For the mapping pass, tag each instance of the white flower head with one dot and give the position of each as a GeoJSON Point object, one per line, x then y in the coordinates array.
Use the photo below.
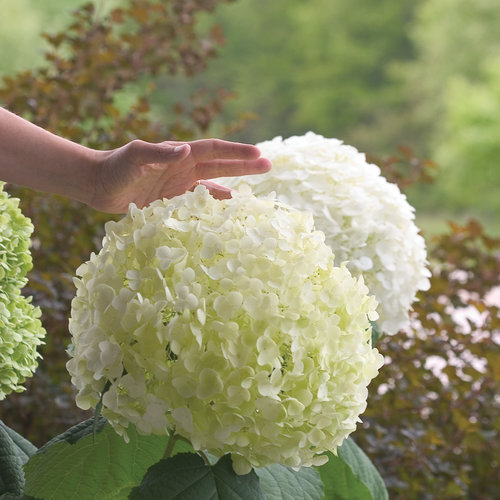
{"type": "Point", "coordinates": [228, 322]}
{"type": "Point", "coordinates": [367, 221]}
{"type": "Point", "coordinates": [21, 331]}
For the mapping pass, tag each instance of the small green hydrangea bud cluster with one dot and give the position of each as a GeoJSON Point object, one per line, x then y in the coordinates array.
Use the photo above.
{"type": "Point", "coordinates": [21, 331]}
{"type": "Point", "coordinates": [367, 221]}
{"type": "Point", "coordinates": [227, 321]}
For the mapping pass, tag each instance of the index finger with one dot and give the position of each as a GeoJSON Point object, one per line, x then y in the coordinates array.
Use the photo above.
{"type": "Point", "coordinates": [212, 149]}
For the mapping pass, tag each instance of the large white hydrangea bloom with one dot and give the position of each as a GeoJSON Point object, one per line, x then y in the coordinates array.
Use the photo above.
{"type": "Point", "coordinates": [367, 221]}
{"type": "Point", "coordinates": [227, 321]}
{"type": "Point", "coordinates": [21, 331]}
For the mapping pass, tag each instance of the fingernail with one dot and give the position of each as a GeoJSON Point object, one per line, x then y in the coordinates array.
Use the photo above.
{"type": "Point", "coordinates": [178, 149]}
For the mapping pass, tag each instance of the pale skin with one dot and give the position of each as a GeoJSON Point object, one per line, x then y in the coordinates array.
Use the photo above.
{"type": "Point", "coordinates": [138, 172]}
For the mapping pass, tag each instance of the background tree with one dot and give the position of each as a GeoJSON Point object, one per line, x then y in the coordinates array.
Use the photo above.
{"type": "Point", "coordinates": [31, 23]}
{"type": "Point", "coordinates": [21, 46]}
{"type": "Point", "coordinates": [432, 425]}
{"type": "Point", "coordinates": [453, 93]}
{"type": "Point", "coordinates": [321, 65]}
{"type": "Point", "coordinates": [470, 147]}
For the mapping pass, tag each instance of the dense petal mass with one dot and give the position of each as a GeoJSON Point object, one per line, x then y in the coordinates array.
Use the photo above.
{"type": "Point", "coordinates": [20, 329]}
{"type": "Point", "coordinates": [367, 221]}
{"type": "Point", "coordinates": [228, 321]}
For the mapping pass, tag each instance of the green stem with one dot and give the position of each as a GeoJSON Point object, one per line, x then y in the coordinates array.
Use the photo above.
{"type": "Point", "coordinates": [181, 438]}
{"type": "Point", "coordinates": [205, 458]}
{"type": "Point", "coordinates": [170, 445]}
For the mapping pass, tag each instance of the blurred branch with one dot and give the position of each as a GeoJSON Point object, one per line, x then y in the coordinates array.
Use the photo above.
{"type": "Point", "coordinates": [405, 168]}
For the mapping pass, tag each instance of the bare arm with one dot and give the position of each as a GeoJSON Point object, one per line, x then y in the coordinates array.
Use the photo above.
{"type": "Point", "coordinates": [138, 172]}
{"type": "Point", "coordinates": [32, 157]}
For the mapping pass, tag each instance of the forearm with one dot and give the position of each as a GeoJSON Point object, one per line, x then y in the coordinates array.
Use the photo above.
{"type": "Point", "coordinates": [32, 157]}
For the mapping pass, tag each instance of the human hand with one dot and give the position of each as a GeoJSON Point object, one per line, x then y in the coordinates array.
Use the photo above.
{"type": "Point", "coordinates": [141, 172]}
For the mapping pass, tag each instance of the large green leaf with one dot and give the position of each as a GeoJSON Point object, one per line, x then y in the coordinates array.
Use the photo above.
{"type": "Point", "coordinates": [279, 482]}
{"type": "Point", "coordinates": [182, 446]}
{"type": "Point", "coordinates": [351, 475]}
{"type": "Point", "coordinates": [340, 483]}
{"type": "Point", "coordinates": [11, 463]}
{"type": "Point", "coordinates": [25, 447]}
{"type": "Point", "coordinates": [77, 432]}
{"type": "Point", "coordinates": [101, 466]}
{"type": "Point", "coordinates": [11, 496]}
{"type": "Point", "coordinates": [186, 477]}
{"type": "Point", "coordinates": [363, 468]}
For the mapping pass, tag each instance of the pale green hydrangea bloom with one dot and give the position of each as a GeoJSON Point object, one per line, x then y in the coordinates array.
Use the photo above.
{"type": "Point", "coordinates": [20, 329]}
{"type": "Point", "coordinates": [228, 321]}
{"type": "Point", "coordinates": [367, 221]}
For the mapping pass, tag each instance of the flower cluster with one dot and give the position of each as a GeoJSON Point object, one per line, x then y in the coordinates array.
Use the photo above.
{"type": "Point", "coordinates": [228, 322]}
{"type": "Point", "coordinates": [20, 329]}
{"type": "Point", "coordinates": [367, 221]}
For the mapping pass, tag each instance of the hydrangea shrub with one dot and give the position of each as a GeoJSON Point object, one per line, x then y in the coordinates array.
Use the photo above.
{"type": "Point", "coordinates": [21, 331]}
{"type": "Point", "coordinates": [228, 323]}
{"type": "Point", "coordinates": [367, 221]}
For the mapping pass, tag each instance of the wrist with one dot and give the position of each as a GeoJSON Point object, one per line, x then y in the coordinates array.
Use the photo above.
{"type": "Point", "coordinates": [86, 168]}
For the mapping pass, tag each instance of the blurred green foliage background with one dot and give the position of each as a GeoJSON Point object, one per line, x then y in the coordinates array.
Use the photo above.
{"type": "Point", "coordinates": [423, 74]}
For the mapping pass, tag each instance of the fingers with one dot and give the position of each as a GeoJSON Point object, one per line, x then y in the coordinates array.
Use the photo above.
{"type": "Point", "coordinates": [231, 168]}
{"type": "Point", "coordinates": [211, 149]}
{"type": "Point", "coordinates": [203, 159]}
{"type": "Point", "coordinates": [205, 152]}
{"type": "Point", "coordinates": [216, 190]}
{"type": "Point", "coordinates": [202, 151]}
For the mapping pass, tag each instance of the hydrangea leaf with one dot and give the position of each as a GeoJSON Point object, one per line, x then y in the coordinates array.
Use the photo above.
{"type": "Point", "coordinates": [186, 476]}
{"type": "Point", "coordinates": [363, 468]}
{"type": "Point", "coordinates": [11, 496]}
{"type": "Point", "coordinates": [11, 464]}
{"type": "Point", "coordinates": [340, 482]}
{"type": "Point", "coordinates": [279, 482]}
{"type": "Point", "coordinates": [101, 466]}
{"type": "Point", "coordinates": [25, 447]}
{"type": "Point", "coordinates": [351, 475]}
{"type": "Point", "coordinates": [77, 432]}
{"type": "Point", "coordinates": [182, 447]}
